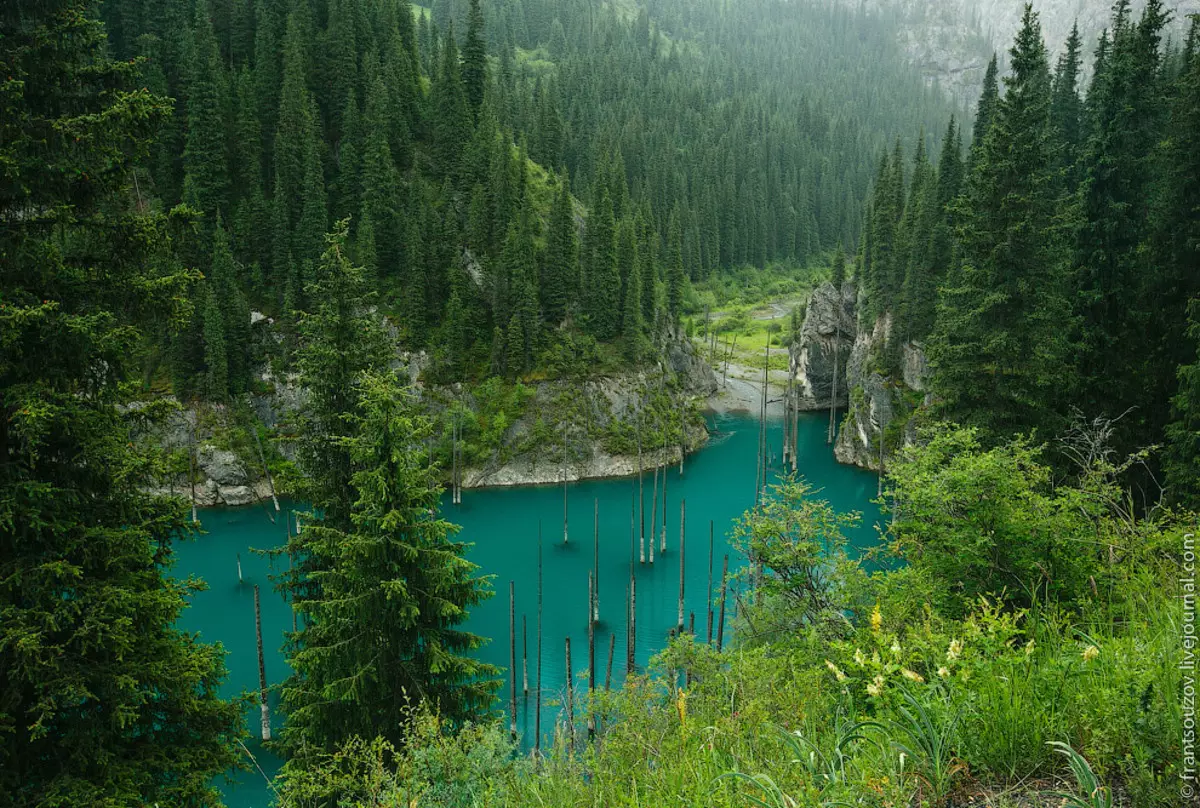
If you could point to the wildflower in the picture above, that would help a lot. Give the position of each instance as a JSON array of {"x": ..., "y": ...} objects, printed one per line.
[
  {"x": 944, "y": 672},
  {"x": 1029, "y": 646},
  {"x": 876, "y": 686},
  {"x": 895, "y": 649},
  {"x": 859, "y": 657},
  {"x": 681, "y": 705},
  {"x": 837, "y": 673},
  {"x": 912, "y": 676},
  {"x": 955, "y": 649},
  {"x": 876, "y": 619},
  {"x": 1090, "y": 653}
]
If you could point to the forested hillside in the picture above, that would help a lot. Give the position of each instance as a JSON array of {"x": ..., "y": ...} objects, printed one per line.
[
  {"x": 203, "y": 199},
  {"x": 467, "y": 144},
  {"x": 1050, "y": 270}
]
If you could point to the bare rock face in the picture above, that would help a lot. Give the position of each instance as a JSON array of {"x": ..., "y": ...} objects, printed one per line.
[
  {"x": 879, "y": 405},
  {"x": 223, "y": 467},
  {"x": 824, "y": 347},
  {"x": 950, "y": 41}
]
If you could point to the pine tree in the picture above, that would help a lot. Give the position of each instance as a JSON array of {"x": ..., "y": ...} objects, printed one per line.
[
  {"x": 383, "y": 597},
  {"x": 560, "y": 268},
  {"x": 105, "y": 701},
  {"x": 474, "y": 66},
  {"x": 998, "y": 350},
  {"x": 451, "y": 113},
  {"x": 675, "y": 273},
  {"x": 1117, "y": 318},
  {"x": 340, "y": 339},
  {"x": 603, "y": 284},
  {"x": 206, "y": 173}
]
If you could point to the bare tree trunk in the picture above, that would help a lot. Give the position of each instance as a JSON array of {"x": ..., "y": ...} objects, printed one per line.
[
  {"x": 708, "y": 598},
  {"x": 682, "y": 524},
  {"x": 262, "y": 670},
  {"x": 570, "y": 700},
  {"x": 512, "y": 657},
  {"x": 537, "y": 713},
  {"x": 724, "y": 590}
]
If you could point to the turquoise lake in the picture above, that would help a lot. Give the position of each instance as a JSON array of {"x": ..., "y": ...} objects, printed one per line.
[{"x": 502, "y": 524}]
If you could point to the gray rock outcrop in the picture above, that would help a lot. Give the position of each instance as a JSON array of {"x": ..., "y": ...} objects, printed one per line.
[
  {"x": 824, "y": 348},
  {"x": 880, "y": 406}
]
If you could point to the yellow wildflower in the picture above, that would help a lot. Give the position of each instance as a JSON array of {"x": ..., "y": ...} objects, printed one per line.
[
  {"x": 944, "y": 672},
  {"x": 912, "y": 676},
  {"x": 681, "y": 705},
  {"x": 955, "y": 649},
  {"x": 1090, "y": 653},
  {"x": 1029, "y": 646},
  {"x": 876, "y": 686},
  {"x": 895, "y": 649},
  {"x": 860, "y": 657},
  {"x": 876, "y": 619}
]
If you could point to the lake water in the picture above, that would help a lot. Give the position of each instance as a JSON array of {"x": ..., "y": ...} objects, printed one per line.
[{"x": 502, "y": 524}]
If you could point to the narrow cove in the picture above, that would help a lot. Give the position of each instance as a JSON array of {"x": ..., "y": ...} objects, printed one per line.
[{"x": 503, "y": 525}]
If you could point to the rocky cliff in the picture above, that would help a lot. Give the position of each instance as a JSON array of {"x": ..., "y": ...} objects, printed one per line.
[
  {"x": 951, "y": 41},
  {"x": 878, "y": 400},
  {"x": 882, "y": 402},
  {"x": 823, "y": 347},
  {"x": 212, "y": 453}
]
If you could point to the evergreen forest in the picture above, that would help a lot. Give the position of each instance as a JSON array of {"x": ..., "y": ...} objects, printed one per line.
[{"x": 372, "y": 248}]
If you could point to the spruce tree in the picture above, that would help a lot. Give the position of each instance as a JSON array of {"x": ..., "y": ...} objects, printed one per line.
[
  {"x": 560, "y": 268},
  {"x": 474, "y": 66},
  {"x": 985, "y": 109},
  {"x": 340, "y": 338},
  {"x": 451, "y": 113},
  {"x": 1128, "y": 113},
  {"x": 837, "y": 274},
  {"x": 1066, "y": 109},
  {"x": 206, "y": 172},
  {"x": 675, "y": 274},
  {"x": 998, "y": 350},
  {"x": 105, "y": 701},
  {"x": 384, "y": 595},
  {"x": 602, "y": 283}
]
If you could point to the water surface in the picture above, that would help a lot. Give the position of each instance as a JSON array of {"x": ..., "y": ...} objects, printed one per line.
[{"x": 503, "y": 526}]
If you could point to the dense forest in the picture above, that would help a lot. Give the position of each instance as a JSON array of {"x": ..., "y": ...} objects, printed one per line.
[
  {"x": 1050, "y": 269},
  {"x": 464, "y": 149},
  {"x": 501, "y": 182}
]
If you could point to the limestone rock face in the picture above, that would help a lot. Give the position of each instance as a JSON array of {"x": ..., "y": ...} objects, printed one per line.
[
  {"x": 825, "y": 344},
  {"x": 222, "y": 466},
  {"x": 879, "y": 405}
]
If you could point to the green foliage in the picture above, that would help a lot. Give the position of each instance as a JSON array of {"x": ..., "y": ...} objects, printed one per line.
[
  {"x": 395, "y": 579},
  {"x": 105, "y": 701},
  {"x": 989, "y": 522}
]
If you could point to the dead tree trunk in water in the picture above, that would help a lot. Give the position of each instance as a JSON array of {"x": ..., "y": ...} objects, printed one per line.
[
  {"x": 682, "y": 523},
  {"x": 724, "y": 590},
  {"x": 570, "y": 704},
  {"x": 708, "y": 598},
  {"x": 262, "y": 670},
  {"x": 596, "y": 564},
  {"x": 537, "y": 714},
  {"x": 512, "y": 656}
]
